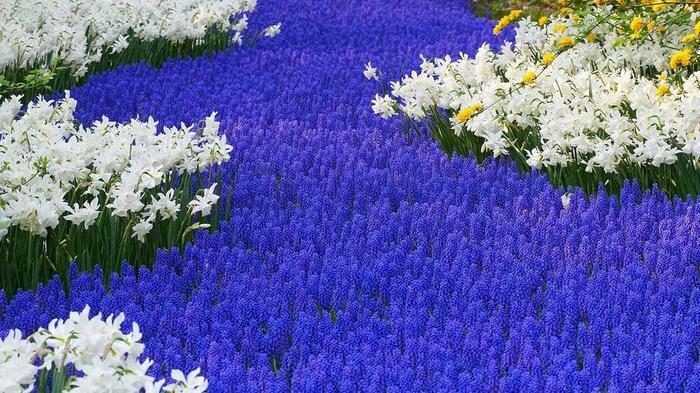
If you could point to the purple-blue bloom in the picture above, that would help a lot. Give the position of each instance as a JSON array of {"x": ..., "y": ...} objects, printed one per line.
[{"x": 356, "y": 260}]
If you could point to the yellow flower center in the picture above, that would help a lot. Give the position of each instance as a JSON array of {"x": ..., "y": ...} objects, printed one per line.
[
  {"x": 548, "y": 58},
  {"x": 566, "y": 42},
  {"x": 467, "y": 113},
  {"x": 662, "y": 90},
  {"x": 559, "y": 28},
  {"x": 529, "y": 77},
  {"x": 637, "y": 24},
  {"x": 688, "y": 37}
]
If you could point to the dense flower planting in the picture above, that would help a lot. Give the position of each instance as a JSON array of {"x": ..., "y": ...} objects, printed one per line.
[
  {"x": 594, "y": 96},
  {"x": 355, "y": 260},
  {"x": 84, "y": 354},
  {"x": 54, "y": 44},
  {"x": 97, "y": 194}
]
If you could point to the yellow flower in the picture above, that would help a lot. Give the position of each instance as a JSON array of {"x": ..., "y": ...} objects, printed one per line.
[
  {"x": 663, "y": 90},
  {"x": 599, "y": 2},
  {"x": 529, "y": 77},
  {"x": 515, "y": 14},
  {"x": 548, "y": 58},
  {"x": 663, "y": 76},
  {"x": 506, "y": 20},
  {"x": 650, "y": 26},
  {"x": 635, "y": 36},
  {"x": 697, "y": 28},
  {"x": 467, "y": 113},
  {"x": 566, "y": 42},
  {"x": 688, "y": 37},
  {"x": 543, "y": 20},
  {"x": 658, "y": 8},
  {"x": 565, "y": 11},
  {"x": 681, "y": 58},
  {"x": 591, "y": 37},
  {"x": 497, "y": 29},
  {"x": 637, "y": 24},
  {"x": 559, "y": 28}
]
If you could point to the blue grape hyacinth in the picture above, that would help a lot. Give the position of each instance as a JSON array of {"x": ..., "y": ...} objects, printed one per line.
[{"x": 356, "y": 260}]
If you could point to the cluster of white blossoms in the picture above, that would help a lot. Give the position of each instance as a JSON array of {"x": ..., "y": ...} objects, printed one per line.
[
  {"x": 48, "y": 161},
  {"x": 580, "y": 87},
  {"x": 36, "y": 33},
  {"x": 100, "y": 357}
]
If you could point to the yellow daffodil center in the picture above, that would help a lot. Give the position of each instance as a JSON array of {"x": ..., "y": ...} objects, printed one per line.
[
  {"x": 637, "y": 24},
  {"x": 529, "y": 77},
  {"x": 548, "y": 58},
  {"x": 662, "y": 90},
  {"x": 681, "y": 58},
  {"x": 566, "y": 42},
  {"x": 559, "y": 28},
  {"x": 467, "y": 113}
]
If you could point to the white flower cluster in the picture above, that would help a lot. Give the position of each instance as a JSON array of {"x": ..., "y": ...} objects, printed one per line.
[
  {"x": 48, "y": 161},
  {"x": 37, "y": 32},
  {"x": 596, "y": 101},
  {"x": 102, "y": 356}
]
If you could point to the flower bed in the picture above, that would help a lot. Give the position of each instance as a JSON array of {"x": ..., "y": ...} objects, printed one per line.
[
  {"x": 100, "y": 194},
  {"x": 46, "y": 44},
  {"x": 357, "y": 260},
  {"x": 597, "y": 95}
]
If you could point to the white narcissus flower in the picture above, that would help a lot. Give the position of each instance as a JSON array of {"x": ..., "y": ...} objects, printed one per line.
[
  {"x": 384, "y": 106},
  {"x": 203, "y": 203},
  {"x": 590, "y": 104},
  {"x": 193, "y": 383},
  {"x": 163, "y": 204},
  {"x": 17, "y": 369},
  {"x": 143, "y": 228},
  {"x": 36, "y": 30},
  {"x": 370, "y": 72},
  {"x": 98, "y": 356},
  {"x": 85, "y": 215},
  {"x": 272, "y": 30},
  {"x": 120, "y": 44},
  {"x": 110, "y": 167}
]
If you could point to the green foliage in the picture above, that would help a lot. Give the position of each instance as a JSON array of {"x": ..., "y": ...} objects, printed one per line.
[
  {"x": 496, "y": 9},
  {"x": 52, "y": 74},
  {"x": 26, "y": 260},
  {"x": 681, "y": 179}
]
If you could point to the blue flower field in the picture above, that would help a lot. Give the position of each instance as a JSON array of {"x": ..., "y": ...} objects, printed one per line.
[{"x": 359, "y": 259}]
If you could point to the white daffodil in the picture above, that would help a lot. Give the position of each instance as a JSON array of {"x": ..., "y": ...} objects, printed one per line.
[
  {"x": 41, "y": 29},
  {"x": 589, "y": 103},
  {"x": 384, "y": 106},
  {"x": 272, "y": 30},
  {"x": 203, "y": 203},
  {"x": 370, "y": 72},
  {"x": 98, "y": 354},
  {"x": 85, "y": 215}
]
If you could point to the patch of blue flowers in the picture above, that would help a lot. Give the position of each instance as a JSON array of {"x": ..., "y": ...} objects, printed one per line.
[{"x": 357, "y": 261}]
